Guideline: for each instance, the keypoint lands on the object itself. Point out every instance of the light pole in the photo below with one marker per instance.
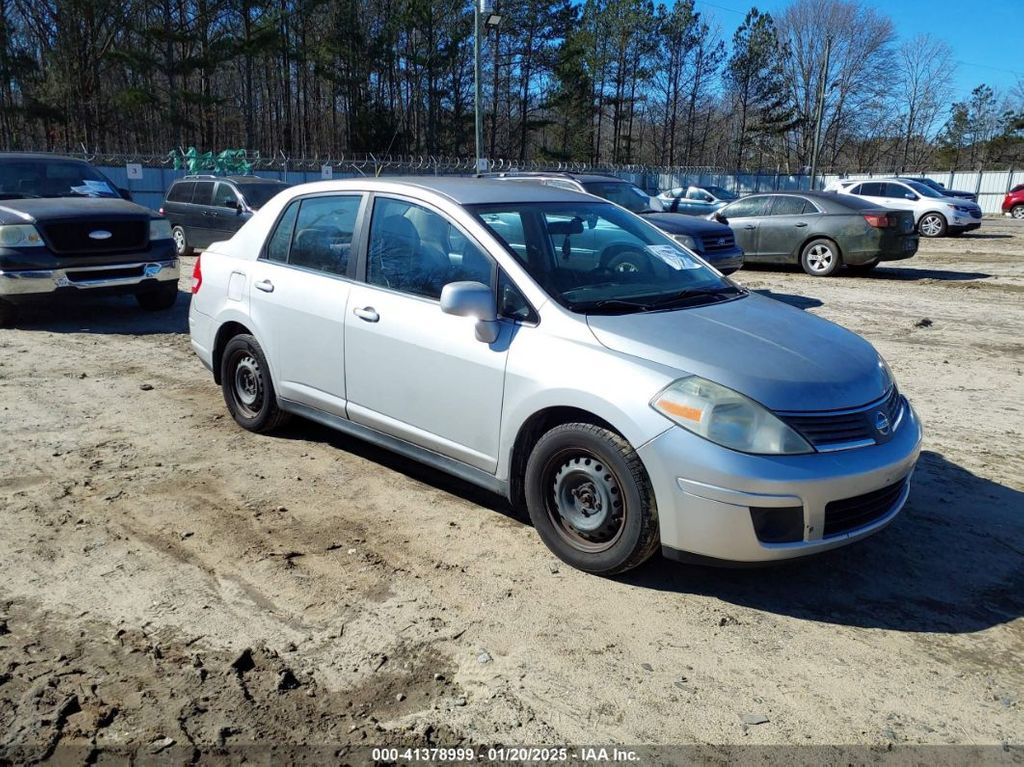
(819, 108)
(491, 21)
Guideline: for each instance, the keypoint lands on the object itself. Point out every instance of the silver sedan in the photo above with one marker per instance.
(563, 352)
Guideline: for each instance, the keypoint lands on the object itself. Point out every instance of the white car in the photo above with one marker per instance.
(934, 214)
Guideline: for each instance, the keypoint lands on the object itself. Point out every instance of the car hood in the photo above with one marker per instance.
(33, 210)
(680, 223)
(782, 357)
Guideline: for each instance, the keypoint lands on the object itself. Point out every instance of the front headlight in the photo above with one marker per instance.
(159, 229)
(727, 418)
(686, 241)
(20, 236)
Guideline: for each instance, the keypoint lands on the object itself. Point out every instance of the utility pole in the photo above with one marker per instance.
(478, 122)
(819, 108)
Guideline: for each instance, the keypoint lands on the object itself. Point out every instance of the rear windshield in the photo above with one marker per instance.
(258, 195)
(23, 178)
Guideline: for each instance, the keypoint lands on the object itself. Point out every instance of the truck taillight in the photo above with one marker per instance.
(878, 220)
(197, 275)
(161, 211)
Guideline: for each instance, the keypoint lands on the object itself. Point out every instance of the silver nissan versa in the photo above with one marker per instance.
(559, 350)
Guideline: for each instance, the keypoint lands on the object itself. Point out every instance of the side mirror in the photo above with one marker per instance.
(720, 218)
(125, 193)
(674, 207)
(473, 299)
(910, 196)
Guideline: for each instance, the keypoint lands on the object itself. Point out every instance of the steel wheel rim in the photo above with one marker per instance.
(931, 226)
(248, 385)
(820, 258)
(179, 241)
(584, 500)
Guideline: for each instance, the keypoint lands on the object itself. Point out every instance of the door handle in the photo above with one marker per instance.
(802, 223)
(367, 313)
(265, 285)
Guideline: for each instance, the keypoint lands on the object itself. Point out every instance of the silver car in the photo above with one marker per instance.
(492, 331)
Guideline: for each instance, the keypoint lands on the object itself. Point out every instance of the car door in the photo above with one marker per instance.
(224, 216)
(789, 220)
(200, 230)
(300, 288)
(413, 371)
(744, 217)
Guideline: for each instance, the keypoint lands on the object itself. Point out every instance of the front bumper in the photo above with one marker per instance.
(107, 277)
(726, 262)
(705, 492)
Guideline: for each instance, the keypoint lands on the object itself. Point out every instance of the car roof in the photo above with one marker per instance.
(234, 179)
(464, 190)
(38, 156)
(583, 178)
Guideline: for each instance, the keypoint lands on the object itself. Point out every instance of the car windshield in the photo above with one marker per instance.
(258, 195)
(52, 178)
(596, 258)
(923, 189)
(630, 197)
(719, 193)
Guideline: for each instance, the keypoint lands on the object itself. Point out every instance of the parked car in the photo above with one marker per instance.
(204, 209)
(473, 326)
(696, 200)
(934, 214)
(941, 188)
(1013, 203)
(821, 231)
(712, 241)
(66, 230)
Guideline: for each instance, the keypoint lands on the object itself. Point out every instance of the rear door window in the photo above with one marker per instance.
(788, 206)
(323, 233)
(747, 207)
(203, 194)
(280, 240)
(872, 189)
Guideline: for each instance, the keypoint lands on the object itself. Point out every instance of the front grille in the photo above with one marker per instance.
(73, 236)
(834, 430)
(851, 513)
(717, 243)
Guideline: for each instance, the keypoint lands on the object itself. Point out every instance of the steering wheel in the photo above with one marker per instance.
(626, 259)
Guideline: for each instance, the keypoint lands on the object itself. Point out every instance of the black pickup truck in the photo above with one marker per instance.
(66, 230)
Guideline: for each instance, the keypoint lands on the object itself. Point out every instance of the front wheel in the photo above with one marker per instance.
(248, 390)
(1017, 211)
(820, 258)
(159, 299)
(590, 499)
(932, 225)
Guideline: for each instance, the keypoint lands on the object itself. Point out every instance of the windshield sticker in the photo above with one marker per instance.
(673, 257)
(93, 187)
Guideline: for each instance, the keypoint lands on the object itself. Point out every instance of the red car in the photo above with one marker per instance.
(1013, 205)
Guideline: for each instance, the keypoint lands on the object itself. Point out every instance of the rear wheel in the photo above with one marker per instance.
(862, 268)
(590, 499)
(248, 390)
(1017, 211)
(932, 225)
(181, 246)
(820, 258)
(159, 299)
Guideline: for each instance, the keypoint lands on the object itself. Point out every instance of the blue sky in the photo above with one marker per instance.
(987, 36)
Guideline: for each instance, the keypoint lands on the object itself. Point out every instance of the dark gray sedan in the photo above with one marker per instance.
(821, 231)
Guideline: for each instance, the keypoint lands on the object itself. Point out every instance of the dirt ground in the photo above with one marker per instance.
(172, 583)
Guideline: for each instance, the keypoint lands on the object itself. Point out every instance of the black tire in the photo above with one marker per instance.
(181, 246)
(862, 268)
(821, 258)
(625, 260)
(159, 299)
(932, 225)
(1017, 211)
(613, 504)
(8, 314)
(248, 390)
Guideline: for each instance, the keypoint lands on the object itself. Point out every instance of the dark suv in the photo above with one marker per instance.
(205, 209)
(712, 241)
(66, 230)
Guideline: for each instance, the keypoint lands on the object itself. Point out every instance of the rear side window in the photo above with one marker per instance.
(323, 233)
(789, 206)
(747, 207)
(203, 194)
(277, 247)
(872, 189)
(181, 192)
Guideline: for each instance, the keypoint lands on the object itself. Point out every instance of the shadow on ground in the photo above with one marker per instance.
(952, 562)
(106, 315)
(800, 302)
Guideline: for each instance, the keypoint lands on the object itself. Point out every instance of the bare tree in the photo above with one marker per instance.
(927, 67)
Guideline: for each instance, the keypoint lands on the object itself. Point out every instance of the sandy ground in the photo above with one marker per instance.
(171, 581)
